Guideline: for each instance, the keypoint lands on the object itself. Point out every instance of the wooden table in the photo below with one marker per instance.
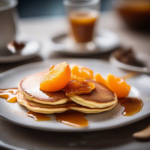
(117, 139)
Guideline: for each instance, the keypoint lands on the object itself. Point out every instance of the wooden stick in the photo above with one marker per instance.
(143, 135)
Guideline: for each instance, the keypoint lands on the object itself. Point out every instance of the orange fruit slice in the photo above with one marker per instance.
(98, 78)
(57, 78)
(79, 79)
(118, 86)
(82, 72)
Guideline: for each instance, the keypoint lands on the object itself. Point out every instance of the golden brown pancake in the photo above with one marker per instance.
(87, 110)
(100, 97)
(30, 87)
(50, 109)
(41, 108)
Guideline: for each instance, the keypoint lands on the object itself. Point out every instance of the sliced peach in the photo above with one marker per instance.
(77, 88)
(82, 72)
(118, 86)
(79, 79)
(57, 78)
(98, 78)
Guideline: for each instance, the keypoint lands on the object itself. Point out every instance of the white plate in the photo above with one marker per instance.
(104, 41)
(107, 120)
(31, 50)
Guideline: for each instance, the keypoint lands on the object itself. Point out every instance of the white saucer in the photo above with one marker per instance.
(104, 41)
(30, 50)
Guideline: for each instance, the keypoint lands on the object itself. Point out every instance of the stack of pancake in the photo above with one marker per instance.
(99, 100)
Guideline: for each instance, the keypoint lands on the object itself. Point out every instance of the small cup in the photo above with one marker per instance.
(82, 16)
(8, 18)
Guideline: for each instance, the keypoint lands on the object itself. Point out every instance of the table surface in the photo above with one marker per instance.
(42, 29)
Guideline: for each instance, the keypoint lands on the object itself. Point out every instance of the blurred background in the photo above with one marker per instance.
(41, 8)
(39, 22)
(123, 24)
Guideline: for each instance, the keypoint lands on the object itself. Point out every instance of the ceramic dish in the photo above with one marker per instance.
(107, 120)
(31, 50)
(139, 56)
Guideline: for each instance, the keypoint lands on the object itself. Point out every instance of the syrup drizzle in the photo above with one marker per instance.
(72, 118)
(76, 87)
(9, 94)
(132, 105)
(38, 116)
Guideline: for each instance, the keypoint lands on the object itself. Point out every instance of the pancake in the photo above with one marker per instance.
(87, 110)
(51, 109)
(100, 97)
(30, 88)
(41, 108)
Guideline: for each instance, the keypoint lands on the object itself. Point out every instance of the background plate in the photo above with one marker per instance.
(142, 57)
(105, 41)
(31, 50)
(107, 120)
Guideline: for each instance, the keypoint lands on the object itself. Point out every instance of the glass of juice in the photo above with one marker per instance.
(82, 16)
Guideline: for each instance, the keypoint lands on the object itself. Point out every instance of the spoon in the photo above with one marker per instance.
(144, 134)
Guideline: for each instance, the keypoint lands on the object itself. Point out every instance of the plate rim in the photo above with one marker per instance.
(76, 129)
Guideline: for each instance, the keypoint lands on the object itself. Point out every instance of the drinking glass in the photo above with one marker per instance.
(82, 17)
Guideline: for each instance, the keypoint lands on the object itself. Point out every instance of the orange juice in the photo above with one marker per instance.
(82, 25)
